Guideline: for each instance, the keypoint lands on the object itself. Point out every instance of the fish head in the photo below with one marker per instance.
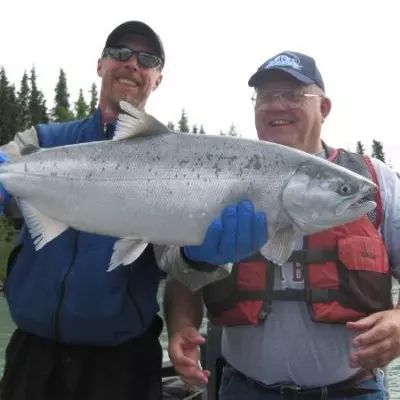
(321, 195)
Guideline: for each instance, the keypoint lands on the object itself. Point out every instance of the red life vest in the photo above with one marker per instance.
(346, 271)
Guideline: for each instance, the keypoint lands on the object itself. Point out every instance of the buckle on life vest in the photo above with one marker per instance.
(321, 295)
(265, 311)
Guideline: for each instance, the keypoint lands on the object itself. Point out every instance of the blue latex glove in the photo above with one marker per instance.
(4, 196)
(238, 233)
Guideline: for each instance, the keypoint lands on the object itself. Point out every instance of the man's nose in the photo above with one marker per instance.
(132, 62)
(277, 102)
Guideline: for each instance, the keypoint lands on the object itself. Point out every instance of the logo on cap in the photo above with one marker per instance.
(284, 60)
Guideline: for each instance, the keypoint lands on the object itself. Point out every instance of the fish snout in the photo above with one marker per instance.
(369, 188)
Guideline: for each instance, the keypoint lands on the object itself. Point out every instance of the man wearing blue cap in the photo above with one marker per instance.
(84, 333)
(324, 322)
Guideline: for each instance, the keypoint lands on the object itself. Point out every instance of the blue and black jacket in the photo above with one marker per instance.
(63, 291)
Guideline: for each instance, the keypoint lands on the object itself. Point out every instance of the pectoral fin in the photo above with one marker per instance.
(126, 251)
(280, 247)
(43, 229)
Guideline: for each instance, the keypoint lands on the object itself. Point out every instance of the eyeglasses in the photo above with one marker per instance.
(145, 59)
(288, 98)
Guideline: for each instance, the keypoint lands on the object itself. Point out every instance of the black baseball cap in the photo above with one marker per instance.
(302, 67)
(140, 28)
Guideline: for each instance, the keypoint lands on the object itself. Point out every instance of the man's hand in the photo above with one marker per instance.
(237, 234)
(379, 344)
(184, 353)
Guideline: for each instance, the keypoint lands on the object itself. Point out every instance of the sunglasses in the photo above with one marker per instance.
(145, 59)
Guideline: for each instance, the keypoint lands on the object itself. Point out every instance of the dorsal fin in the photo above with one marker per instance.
(133, 122)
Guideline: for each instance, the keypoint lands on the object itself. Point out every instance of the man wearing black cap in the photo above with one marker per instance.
(331, 325)
(82, 332)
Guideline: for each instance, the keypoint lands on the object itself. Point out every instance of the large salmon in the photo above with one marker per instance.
(152, 185)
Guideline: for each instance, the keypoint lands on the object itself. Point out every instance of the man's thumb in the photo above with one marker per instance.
(365, 323)
(193, 336)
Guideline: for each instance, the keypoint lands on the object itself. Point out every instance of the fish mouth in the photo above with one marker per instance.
(354, 210)
(368, 205)
(345, 213)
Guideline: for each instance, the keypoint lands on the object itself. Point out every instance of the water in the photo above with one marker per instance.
(7, 327)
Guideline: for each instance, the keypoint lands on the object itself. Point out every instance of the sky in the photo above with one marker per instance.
(212, 48)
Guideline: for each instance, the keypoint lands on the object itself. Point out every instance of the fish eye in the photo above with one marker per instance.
(345, 189)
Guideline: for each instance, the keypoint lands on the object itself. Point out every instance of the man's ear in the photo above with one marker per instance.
(326, 106)
(158, 82)
(99, 65)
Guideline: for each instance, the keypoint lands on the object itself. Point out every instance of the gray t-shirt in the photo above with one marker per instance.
(291, 348)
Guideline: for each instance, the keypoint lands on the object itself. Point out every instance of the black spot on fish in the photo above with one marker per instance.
(117, 166)
(254, 163)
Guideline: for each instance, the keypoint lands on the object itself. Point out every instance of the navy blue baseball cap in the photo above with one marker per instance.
(300, 66)
(137, 27)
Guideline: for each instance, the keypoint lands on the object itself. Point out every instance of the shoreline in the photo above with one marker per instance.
(1, 286)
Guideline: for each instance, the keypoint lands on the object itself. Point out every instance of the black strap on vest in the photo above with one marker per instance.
(313, 256)
(307, 295)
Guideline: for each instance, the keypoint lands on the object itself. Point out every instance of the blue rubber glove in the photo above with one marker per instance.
(237, 234)
(4, 196)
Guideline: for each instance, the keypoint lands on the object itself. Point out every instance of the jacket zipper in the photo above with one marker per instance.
(63, 288)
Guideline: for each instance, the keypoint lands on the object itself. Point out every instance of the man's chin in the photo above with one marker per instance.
(129, 99)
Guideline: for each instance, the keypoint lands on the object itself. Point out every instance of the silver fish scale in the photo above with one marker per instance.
(164, 188)
(187, 156)
(118, 187)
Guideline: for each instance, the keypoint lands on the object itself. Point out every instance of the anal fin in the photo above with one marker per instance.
(42, 228)
(280, 247)
(126, 251)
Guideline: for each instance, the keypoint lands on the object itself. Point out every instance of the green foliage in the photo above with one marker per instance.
(94, 99)
(377, 150)
(7, 239)
(360, 148)
(183, 123)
